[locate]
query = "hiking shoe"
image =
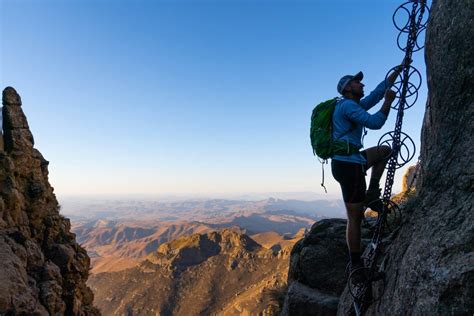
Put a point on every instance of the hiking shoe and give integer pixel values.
(373, 201)
(357, 273)
(376, 205)
(372, 194)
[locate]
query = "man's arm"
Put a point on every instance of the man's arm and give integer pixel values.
(374, 97)
(372, 121)
(354, 113)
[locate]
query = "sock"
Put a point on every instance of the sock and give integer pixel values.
(374, 184)
(355, 257)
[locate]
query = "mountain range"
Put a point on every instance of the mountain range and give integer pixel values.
(217, 273)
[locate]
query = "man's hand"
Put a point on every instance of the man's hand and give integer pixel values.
(405, 63)
(398, 69)
(389, 96)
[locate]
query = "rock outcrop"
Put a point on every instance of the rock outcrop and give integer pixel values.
(430, 263)
(43, 271)
(317, 272)
(193, 250)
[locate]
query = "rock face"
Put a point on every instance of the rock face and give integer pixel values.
(430, 263)
(42, 268)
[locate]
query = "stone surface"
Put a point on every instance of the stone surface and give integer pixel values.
(430, 263)
(319, 259)
(303, 300)
(42, 269)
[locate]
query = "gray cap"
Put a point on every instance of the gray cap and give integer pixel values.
(346, 79)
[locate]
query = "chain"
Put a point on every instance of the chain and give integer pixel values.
(412, 36)
(413, 28)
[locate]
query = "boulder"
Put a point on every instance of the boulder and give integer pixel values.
(304, 300)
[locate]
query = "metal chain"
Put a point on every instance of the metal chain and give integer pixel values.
(373, 249)
(412, 35)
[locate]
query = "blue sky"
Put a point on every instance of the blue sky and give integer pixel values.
(202, 97)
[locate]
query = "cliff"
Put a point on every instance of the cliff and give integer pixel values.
(42, 268)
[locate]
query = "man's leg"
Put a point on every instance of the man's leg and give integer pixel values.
(352, 181)
(377, 158)
(354, 220)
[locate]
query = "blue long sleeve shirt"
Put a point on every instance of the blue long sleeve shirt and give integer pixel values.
(350, 118)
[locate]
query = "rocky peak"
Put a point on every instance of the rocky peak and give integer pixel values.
(194, 249)
(43, 270)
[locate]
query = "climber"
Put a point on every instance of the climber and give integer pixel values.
(350, 118)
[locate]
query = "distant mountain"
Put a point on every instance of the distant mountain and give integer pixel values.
(208, 210)
(216, 273)
(264, 222)
(275, 241)
(120, 244)
(115, 245)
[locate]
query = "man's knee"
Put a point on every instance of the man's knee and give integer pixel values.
(384, 152)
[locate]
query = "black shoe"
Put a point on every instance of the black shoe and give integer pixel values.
(376, 206)
(373, 201)
(357, 273)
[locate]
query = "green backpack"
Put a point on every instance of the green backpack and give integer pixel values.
(321, 132)
(321, 135)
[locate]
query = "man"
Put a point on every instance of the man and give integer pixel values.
(350, 118)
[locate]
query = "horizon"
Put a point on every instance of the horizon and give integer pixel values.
(191, 98)
(250, 196)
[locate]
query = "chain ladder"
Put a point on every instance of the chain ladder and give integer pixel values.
(400, 144)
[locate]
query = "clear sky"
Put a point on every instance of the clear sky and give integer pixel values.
(207, 97)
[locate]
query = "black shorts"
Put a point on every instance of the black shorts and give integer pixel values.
(351, 177)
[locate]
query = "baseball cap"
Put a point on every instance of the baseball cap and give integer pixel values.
(346, 79)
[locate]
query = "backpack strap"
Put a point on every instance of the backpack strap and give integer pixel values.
(325, 161)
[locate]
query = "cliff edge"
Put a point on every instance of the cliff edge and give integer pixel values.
(43, 270)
